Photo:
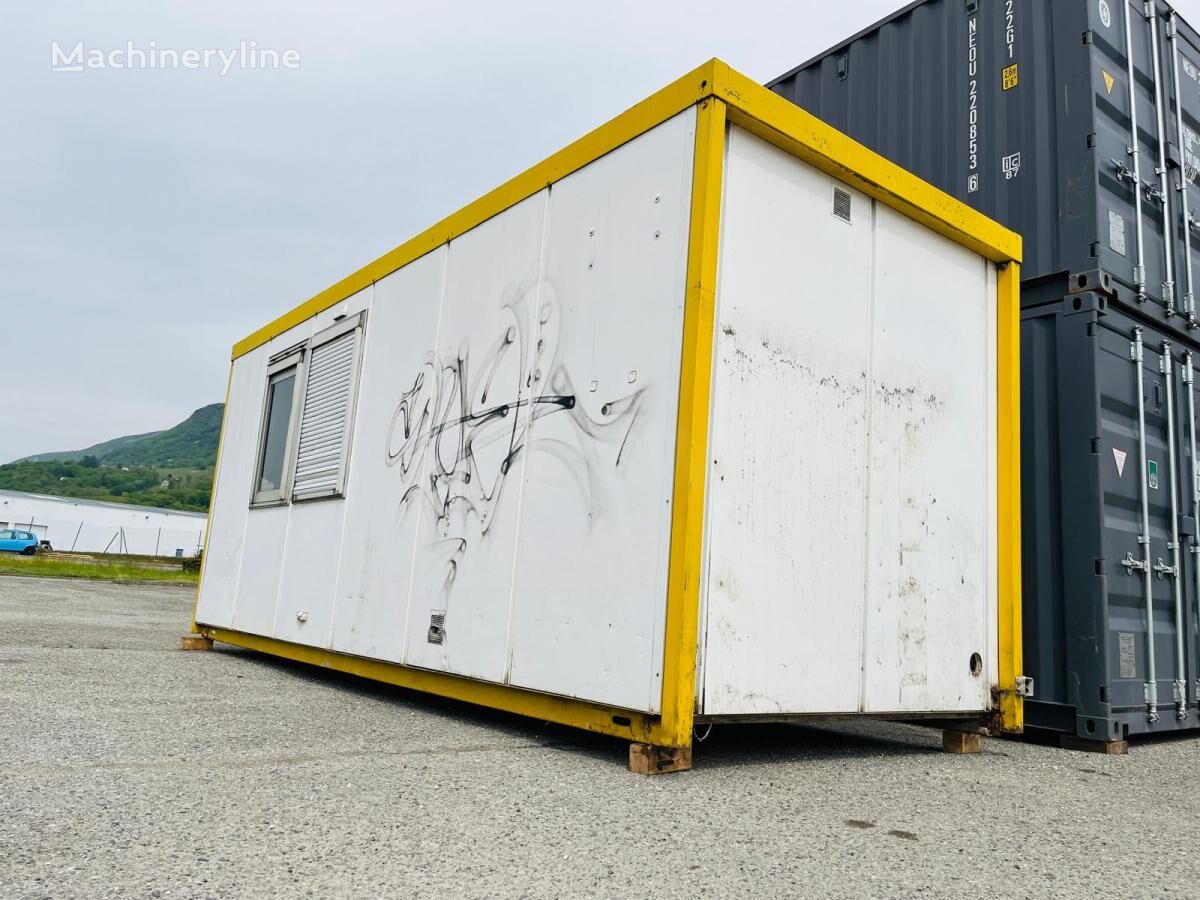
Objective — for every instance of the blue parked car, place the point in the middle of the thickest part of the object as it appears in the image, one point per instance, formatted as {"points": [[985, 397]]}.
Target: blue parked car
{"points": [[24, 542]]}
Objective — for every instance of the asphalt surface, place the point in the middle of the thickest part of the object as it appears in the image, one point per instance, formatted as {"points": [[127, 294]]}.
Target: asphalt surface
{"points": [[131, 769]]}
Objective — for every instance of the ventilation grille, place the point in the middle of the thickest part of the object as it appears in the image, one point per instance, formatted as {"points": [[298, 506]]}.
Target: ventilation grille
{"points": [[326, 414], [841, 204]]}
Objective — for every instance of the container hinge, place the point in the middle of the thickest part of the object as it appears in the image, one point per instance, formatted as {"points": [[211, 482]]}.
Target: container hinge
{"points": [[1024, 686], [1133, 565], [1161, 569]]}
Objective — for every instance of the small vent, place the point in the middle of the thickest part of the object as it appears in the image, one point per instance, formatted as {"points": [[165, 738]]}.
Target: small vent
{"points": [[437, 627], [841, 204]]}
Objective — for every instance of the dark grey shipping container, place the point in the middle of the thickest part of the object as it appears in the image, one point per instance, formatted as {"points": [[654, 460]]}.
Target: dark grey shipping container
{"points": [[1090, 580], [1022, 108]]}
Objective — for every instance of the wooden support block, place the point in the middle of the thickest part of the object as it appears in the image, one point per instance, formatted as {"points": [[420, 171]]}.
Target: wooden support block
{"points": [[1111, 748], [646, 759], [961, 742], [195, 642]]}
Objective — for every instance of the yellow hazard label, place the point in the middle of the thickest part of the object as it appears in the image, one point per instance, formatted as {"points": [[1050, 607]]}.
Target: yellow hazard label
{"points": [[1109, 81], [1009, 77]]}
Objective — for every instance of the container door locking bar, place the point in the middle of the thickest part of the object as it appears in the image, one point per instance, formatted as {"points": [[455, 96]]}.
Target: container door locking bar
{"points": [[1135, 171], [1189, 296], [1167, 366], [1151, 688], [1188, 380], [1161, 171], [1164, 187]]}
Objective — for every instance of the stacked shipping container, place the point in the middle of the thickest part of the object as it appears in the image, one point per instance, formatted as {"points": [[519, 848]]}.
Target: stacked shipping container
{"points": [[1077, 124]]}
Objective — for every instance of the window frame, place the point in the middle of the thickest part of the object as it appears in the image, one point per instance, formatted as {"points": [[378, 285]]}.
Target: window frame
{"points": [[298, 356], [293, 357], [343, 325]]}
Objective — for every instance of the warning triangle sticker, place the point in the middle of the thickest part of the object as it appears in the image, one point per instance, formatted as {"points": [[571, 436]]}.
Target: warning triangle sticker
{"points": [[1109, 81], [1120, 456]]}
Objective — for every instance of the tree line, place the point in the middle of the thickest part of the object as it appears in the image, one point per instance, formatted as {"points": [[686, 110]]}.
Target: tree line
{"points": [[89, 479]]}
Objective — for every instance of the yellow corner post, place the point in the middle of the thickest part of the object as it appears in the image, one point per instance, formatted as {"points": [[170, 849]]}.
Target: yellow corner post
{"points": [[1008, 490], [691, 443]]}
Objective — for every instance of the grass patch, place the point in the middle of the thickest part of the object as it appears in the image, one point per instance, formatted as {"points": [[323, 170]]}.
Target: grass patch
{"points": [[45, 567]]}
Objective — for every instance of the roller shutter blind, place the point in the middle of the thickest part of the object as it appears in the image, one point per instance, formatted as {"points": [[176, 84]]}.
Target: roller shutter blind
{"points": [[325, 419]]}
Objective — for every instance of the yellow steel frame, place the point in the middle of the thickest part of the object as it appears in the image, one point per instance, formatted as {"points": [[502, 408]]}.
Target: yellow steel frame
{"points": [[720, 96], [1008, 493]]}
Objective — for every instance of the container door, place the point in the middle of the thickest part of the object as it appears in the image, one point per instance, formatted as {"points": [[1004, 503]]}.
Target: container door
{"points": [[1140, 58], [1181, 53], [1139, 415]]}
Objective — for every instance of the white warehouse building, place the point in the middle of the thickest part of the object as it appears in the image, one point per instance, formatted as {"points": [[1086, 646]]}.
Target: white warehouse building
{"points": [[96, 526]]}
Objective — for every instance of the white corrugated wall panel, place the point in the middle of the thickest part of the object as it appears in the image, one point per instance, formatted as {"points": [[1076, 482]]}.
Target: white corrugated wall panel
{"points": [[391, 426], [311, 557], [596, 512], [851, 512]]}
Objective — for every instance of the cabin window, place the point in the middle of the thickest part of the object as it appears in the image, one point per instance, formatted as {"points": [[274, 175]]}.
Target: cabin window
{"points": [[308, 415], [278, 424]]}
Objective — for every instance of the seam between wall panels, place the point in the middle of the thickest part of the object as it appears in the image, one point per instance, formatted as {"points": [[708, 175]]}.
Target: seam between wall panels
{"points": [[356, 421], [534, 323], [416, 546], [868, 457], [287, 531], [706, 542]]}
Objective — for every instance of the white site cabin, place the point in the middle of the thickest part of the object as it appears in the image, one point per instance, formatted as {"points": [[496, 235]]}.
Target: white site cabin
{"points": [[469, 465]]}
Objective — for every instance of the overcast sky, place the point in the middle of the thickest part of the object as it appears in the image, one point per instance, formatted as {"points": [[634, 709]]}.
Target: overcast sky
{"points": [[148, 219]]}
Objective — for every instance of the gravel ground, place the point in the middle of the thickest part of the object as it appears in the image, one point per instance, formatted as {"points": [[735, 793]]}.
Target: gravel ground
{"points": [[128, 768]]}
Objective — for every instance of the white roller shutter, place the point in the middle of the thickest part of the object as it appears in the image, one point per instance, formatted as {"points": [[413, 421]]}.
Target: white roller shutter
{"points": [[325, 419]]}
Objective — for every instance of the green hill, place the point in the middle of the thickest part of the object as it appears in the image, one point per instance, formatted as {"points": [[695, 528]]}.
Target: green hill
{"points": [[96, 450], [171, 469], [192, 444]]}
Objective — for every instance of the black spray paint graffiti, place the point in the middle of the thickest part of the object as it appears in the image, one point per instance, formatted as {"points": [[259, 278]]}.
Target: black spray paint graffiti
{"points": [[461, 426]]}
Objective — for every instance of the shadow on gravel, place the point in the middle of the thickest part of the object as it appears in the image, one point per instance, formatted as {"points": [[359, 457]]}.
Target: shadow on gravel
{"points": [[724, 746]]}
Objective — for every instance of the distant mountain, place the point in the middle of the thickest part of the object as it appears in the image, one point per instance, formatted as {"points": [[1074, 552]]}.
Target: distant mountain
{"points": [[96, 450], [192, 444]]}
